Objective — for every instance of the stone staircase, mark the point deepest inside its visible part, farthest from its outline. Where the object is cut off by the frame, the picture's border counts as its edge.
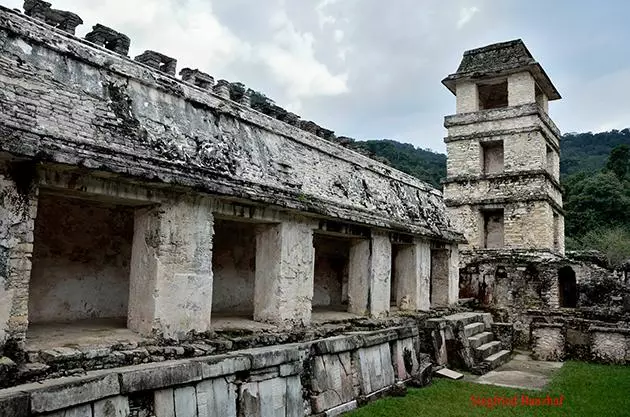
(473, 343)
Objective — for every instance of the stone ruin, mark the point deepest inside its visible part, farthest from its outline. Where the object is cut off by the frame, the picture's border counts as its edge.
(167, 249)
(503, 193)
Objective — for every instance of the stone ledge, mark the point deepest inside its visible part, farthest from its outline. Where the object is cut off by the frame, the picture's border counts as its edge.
(553, 142)
(530, 109)
(503, 176)
(47, 396)
(539, 325)
(160, 375)
(597, 329)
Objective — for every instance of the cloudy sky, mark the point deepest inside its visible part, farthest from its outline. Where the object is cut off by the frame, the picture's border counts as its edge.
(371, 69)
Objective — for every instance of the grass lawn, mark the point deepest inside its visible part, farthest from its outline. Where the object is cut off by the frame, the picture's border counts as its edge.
(588, 390)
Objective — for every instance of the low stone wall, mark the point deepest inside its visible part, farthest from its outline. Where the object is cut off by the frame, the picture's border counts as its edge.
(610, 345)
(548, 341)
(573, 340)
(320, 378)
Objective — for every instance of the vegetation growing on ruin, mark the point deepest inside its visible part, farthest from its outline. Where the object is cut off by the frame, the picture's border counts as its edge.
(588, 390)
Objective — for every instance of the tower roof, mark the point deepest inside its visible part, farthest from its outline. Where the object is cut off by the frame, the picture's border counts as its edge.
(501, 59)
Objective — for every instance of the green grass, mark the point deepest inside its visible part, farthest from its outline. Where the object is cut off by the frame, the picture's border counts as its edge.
(588, 390)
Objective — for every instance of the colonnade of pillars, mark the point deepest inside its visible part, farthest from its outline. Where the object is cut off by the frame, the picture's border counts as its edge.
(171, 273)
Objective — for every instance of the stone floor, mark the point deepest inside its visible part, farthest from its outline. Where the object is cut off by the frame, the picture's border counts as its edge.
(521, 372)
(102, 332)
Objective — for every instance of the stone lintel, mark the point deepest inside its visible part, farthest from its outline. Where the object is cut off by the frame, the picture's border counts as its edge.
(109, 39)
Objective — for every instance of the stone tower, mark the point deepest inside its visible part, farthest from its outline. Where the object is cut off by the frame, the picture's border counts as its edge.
(502, 188)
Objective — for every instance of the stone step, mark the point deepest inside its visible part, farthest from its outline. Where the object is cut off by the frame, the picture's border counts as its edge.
(473, 329)
(497, 359)
(480, 339)
(487, 349)
(465, 318)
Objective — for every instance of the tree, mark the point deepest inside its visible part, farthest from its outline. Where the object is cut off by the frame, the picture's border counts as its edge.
(619, 161)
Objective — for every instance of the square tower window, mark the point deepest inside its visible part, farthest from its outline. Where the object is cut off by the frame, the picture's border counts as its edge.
(492, 157)
(493, 96)
(493, 229)
(550, 160)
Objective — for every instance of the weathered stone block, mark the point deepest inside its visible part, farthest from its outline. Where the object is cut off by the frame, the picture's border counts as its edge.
(112, 407)
(266, 357)
(374, 368)
(66, 392)
(185, 402)
(215, 366)
(609, 345)
(14, 404)
(160, 375)
(331, 381)
(216, 397)
(548, 341)
(164, 402)
(80, 411)
(337, 344)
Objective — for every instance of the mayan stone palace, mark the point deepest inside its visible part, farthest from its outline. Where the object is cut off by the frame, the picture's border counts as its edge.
(169, 250)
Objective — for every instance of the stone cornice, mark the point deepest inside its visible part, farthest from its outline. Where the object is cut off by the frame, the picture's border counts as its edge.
(516, 175)
(551, 141)
(531, 109)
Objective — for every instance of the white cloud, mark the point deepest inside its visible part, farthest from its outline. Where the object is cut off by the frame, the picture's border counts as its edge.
(324, 18)
(291, 59)
(465, 15)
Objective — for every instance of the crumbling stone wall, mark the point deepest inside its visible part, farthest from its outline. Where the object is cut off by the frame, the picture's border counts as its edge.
(331, 376)
(513, 283)
(18, 209)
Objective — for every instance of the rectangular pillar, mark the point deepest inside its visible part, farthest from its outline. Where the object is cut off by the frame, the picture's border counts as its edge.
(369, 276)
(18, 209)
(521, 89)
(285, 264)
(413, 274)
(171, 269)
(453, 275)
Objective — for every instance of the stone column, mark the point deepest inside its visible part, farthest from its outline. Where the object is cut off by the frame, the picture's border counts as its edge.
(370, 275)
(413, 275)
(467, 97)
(453, 275)
(171, 269)
(18, 209)
(521, 89)
(285, 265)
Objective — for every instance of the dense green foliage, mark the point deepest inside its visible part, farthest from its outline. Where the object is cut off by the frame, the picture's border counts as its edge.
(598, 207)
(424, 164)
(587, 390)
(588, 152)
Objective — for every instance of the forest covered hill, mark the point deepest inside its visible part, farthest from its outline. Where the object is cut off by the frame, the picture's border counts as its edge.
(580, 152)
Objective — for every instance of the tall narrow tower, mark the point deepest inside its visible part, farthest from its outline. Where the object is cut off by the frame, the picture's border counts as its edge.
(502, 188)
